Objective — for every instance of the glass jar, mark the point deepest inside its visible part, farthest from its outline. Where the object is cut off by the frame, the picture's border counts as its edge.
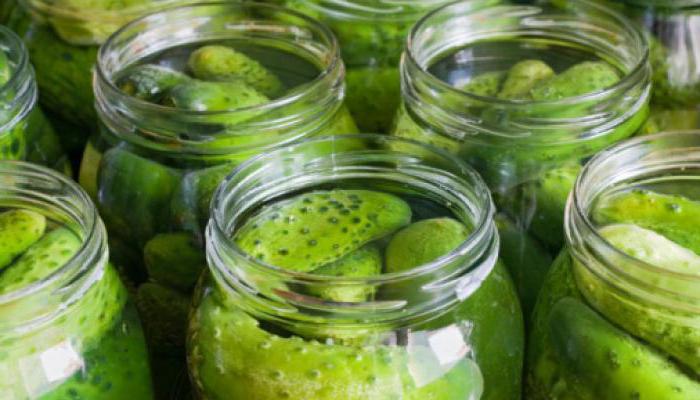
(155, 165)
(524, 93)
(67, 328)
(372, 35)
(619, 313)
(443, 327)
(672, 28)
(24, 132)
(70, 31)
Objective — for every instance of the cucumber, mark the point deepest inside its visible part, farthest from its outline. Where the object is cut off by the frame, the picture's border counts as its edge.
(222, 63)
(163, 312)
(19, 229)
(673, 216)
(134, 195)
(213, 96)
(310, 230)
(363, 262)
(523, 77)
(174, 260)
(487, 84)
(423, 242)
(373, 96)
(583, 78)
(150, 82)
(5, 69)
(42, 259)
(610, 362)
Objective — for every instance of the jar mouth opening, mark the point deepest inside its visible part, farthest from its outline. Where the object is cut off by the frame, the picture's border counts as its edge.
(470, 182)
(578, 206)
(331, 64)
(82, 214)
(373, 10)
(627, 80)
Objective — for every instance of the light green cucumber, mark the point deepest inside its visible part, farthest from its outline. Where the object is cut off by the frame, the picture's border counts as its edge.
(174, 260)
(19, 229)
(611, 363)
(40, 260)
(5, 68)
(363, 262)
(583, 78)
(675, 217)
(522, 77)
(150, 82)
(422, 242)
(487, 84)
(134, 195)
(313, 229)
(222, 63)
(213, 96)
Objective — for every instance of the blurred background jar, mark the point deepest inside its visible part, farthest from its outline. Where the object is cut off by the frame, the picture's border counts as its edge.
(184, 96)
(62, 37)
(25, 134)
(525, 94)
(619, 313)
(372, 35)
(437, 318)
(67, 326)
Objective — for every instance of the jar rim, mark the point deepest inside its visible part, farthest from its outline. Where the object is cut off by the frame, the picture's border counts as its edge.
(483, 231)
(577, 216)
(627, 80)
(84, 214)
(286, 99)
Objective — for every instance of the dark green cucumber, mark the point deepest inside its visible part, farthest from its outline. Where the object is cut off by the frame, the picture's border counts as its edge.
(313, 229)
(163, 312)
(134, 195)
(222, 63)
(174, 260)
(610, 362)
(19, 229)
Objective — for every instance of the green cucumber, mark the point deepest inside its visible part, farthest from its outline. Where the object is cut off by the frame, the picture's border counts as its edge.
(134, 195)
(213, 96)
(675, 217)
(373, 96)
(424, 241)
(310, 230)
(19, 229)
(523, 77)
(363, 262)
(583, 78)
(163, 312)
(150, 82)
(43, 258)
(222, 63)
(174, 260)
(610, 362)
(5, 68)
(487, 84)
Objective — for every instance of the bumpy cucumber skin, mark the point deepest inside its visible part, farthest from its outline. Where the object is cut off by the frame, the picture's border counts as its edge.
(231, 357)
(213, 96)
(39, 261)
(307, 231)
(583, 78)
(675, 217)
(19, 229)
(523, 77)
(150, 82)
(222, 63)
(527, 261)
(363, 262)
(163, 312)
(174, 259)
(422, 242)
(610, 362)
(134, 195)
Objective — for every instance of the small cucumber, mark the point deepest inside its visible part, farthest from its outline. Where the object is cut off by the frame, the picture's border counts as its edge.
(150, 82)
(583, 78)
(163, 312)
(363, 262)
(19, 229)
(213, 96)
(522, 77)
(174, 260)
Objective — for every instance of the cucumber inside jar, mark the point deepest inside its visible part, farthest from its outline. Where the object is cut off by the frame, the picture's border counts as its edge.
(94, 348)
(344, 232)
